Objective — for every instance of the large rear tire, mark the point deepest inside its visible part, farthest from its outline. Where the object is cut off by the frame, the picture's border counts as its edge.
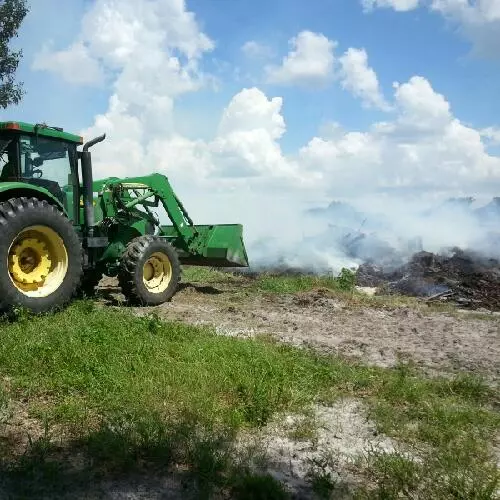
(150, 271)
(40, 256)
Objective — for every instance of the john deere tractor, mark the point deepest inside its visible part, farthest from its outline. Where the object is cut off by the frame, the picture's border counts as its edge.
(61, 231)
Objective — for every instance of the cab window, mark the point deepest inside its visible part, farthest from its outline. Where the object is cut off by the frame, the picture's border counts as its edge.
(46, 159)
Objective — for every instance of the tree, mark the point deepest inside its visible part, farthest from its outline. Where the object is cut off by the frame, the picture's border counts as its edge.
(12, 13)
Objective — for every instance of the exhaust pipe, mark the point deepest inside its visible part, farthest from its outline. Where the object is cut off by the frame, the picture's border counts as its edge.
(88, 190)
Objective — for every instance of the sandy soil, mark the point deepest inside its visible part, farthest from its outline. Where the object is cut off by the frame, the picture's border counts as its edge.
(438, 342)
(344, 435)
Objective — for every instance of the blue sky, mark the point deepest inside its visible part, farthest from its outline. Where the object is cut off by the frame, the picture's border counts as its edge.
(399, 44)
(443, 120)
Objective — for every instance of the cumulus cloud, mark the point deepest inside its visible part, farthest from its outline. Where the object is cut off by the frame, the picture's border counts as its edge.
(425, 148)
(479, 11)
(74, 64)
(310, 61)
(152, 48)
(132, 37)
(478, 20)
(360, 79)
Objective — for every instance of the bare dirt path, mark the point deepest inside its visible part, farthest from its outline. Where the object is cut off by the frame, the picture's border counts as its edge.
(439, 342)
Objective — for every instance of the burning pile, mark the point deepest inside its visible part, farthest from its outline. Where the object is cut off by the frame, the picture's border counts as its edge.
(463, 277)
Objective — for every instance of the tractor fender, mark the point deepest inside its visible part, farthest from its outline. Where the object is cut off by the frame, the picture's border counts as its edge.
(19, 189)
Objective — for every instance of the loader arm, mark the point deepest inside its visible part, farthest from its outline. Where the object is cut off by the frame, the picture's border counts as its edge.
(148, 191)
(215, 245)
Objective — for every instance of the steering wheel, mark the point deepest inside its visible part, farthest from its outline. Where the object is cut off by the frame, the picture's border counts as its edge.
(36, 171)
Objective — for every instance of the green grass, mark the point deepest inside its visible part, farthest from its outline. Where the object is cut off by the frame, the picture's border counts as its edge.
(270, 283)
(207, 275)
(302, 283)
(458, 472)
(131, 393)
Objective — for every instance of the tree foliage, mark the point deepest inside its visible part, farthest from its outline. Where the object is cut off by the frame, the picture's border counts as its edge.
(12, 13)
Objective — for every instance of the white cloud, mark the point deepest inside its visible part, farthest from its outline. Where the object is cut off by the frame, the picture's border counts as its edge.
(132, 37)
(398, 5)
(360, 79)
(153, 48)
(420, 106)
(310, 61)
(74, 64)
(425, 147)
(256, 49)
(117, 30)
(247, 141)
(250, 109)
(478, 20)
(492, 134)
(478, 11)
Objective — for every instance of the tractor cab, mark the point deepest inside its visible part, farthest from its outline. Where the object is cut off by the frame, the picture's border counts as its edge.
(42, 156)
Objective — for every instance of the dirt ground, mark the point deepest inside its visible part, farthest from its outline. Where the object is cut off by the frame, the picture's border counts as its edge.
(438, 342)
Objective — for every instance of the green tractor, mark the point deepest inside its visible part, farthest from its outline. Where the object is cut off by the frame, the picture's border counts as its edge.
(61, 231)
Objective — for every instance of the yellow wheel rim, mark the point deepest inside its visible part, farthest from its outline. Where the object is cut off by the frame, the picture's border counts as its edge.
(157, 273)
(37, 261)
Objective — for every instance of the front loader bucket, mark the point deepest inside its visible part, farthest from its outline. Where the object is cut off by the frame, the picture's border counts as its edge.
(221, 245)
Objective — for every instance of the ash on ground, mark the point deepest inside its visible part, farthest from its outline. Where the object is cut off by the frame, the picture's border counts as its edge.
(462, 277)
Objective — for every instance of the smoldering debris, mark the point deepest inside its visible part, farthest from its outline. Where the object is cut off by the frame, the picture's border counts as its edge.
(465, 278)
(449, 252)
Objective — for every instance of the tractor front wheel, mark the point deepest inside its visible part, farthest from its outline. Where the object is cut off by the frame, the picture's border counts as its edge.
(150, 271)
(40, 256)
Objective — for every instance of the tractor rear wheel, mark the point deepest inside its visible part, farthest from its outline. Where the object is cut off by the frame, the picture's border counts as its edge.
(40, 256)
(150, 271)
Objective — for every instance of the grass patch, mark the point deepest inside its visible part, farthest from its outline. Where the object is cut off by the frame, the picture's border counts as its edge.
(136, 393)
(447, 427)
(304, 429)
(435, 411)
(89, 363)
(208, 275)
(303, 283)
(449, 474)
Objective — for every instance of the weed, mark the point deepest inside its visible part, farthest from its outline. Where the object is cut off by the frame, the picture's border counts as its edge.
(346, 280)
(4, 406)
(304, 429)
(321, 477)
(303, 283)
(440, 475)
(258, 487)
